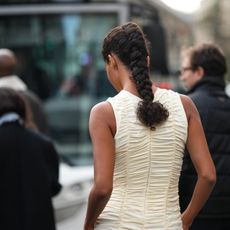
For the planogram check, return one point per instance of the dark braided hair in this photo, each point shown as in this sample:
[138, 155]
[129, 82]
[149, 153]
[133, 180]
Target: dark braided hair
[130, 45]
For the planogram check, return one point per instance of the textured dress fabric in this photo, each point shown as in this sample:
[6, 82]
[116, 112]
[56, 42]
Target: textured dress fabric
[147, 167]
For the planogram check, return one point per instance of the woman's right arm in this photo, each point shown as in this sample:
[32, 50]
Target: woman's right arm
[202, 161]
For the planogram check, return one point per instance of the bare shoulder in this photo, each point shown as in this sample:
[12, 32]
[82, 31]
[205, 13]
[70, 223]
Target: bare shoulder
[102, 115]
[189, 106]
[102, 110]
[186, 101]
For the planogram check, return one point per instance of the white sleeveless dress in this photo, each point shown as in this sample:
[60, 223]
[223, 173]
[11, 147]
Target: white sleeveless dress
[147, 167]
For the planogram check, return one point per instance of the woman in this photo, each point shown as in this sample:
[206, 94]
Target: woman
[138, 141]
[28, 169]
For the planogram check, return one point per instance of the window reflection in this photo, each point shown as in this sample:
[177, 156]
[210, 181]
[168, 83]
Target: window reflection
[60, 60]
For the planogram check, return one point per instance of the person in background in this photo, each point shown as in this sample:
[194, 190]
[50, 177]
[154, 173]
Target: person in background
[8, 63]
[29, 169]
[202, 73]
[138, 140]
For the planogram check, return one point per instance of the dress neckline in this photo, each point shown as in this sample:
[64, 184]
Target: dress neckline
[134, 96]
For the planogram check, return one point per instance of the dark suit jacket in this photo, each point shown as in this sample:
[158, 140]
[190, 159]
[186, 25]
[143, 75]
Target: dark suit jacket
[28, 177]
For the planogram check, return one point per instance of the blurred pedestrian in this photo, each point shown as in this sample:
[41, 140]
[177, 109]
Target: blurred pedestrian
[202, 73]
[138, 139]
[8, 63]
[29, 169]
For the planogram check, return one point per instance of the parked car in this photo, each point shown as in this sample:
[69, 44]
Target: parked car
[76, 182]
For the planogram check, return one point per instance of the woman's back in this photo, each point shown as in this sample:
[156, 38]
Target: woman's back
[147, 166]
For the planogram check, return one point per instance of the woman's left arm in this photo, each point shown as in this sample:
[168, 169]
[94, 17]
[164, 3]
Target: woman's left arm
[101, 127]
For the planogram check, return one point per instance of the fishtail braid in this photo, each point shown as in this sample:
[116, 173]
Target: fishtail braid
[130, 45]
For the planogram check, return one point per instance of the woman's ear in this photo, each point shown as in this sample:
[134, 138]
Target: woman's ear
[112, 61]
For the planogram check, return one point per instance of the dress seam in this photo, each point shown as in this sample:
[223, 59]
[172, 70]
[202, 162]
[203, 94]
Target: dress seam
[174, 149]
[149, 172]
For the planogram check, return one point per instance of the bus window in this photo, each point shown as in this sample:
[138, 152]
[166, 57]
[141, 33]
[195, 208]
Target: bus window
[60, 60]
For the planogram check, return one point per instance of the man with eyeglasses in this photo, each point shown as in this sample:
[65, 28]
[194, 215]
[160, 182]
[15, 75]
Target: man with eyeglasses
[202, 73]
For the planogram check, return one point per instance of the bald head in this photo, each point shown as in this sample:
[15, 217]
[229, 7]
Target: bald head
[7, 62]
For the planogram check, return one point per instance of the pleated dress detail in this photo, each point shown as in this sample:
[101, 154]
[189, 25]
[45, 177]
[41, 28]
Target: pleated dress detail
[147, 167]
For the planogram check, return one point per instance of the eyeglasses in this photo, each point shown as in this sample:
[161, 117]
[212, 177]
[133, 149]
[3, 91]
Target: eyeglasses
[184, 69]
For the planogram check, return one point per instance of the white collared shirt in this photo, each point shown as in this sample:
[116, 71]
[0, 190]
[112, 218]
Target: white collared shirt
[10, 117]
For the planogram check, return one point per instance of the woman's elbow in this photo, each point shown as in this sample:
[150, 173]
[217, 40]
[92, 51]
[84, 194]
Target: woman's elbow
[210, 177]
[103, 191]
